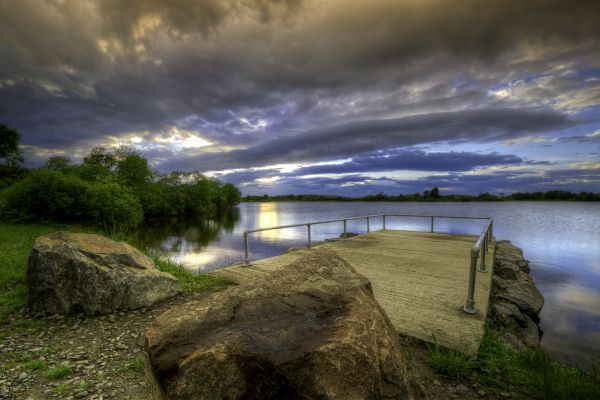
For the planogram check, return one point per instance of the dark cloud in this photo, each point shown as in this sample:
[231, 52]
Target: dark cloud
[414, 159]
[501, 181]
[278, 81]
[363, 136]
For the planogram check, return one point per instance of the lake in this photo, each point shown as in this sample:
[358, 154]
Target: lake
[561, 239]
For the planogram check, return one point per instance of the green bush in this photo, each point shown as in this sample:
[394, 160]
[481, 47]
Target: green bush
[50, 196]
[113, 207]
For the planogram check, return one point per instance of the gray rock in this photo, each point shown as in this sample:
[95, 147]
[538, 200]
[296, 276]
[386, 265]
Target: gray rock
[517, 329]
[310, 330]
[348, 235]
[461, 388]
[73, 273]
[515, 302]
[524, 295]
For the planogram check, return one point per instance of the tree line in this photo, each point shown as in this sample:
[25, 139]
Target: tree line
[434, 195]
[110, 189]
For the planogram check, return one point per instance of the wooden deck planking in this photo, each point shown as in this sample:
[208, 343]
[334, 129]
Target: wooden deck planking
[420, 279]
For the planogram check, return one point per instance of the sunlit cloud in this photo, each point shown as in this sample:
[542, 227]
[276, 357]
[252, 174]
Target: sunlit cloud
[312, 96]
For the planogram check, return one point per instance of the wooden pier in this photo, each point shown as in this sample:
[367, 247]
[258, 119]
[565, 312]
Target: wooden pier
[420, 279]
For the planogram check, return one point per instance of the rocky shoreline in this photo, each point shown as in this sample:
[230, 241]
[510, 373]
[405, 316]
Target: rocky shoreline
[104, 355]
[515, 301]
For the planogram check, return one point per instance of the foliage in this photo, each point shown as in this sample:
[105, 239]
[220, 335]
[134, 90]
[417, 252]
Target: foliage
[16, 241]
[111, 190]
[58, 373]
[35, 365]
[434, 195]
[10, 175]
[452, 364]
[9, 146]
[51, 196]
[189, 281]
[136, 365]
[58, 163]
[15, 245]
[499, 366]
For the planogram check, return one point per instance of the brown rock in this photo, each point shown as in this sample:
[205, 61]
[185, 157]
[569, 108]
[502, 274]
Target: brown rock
[72, 273]
[310, 330]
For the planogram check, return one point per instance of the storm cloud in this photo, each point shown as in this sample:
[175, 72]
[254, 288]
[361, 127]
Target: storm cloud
[216, 85]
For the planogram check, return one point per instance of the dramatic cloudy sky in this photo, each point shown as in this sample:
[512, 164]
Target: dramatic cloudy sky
[314, 96]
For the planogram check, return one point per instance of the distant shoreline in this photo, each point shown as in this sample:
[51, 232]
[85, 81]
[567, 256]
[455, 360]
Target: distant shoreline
[433, 197]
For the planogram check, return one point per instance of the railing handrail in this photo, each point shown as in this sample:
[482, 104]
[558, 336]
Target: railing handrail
[482, 242]
[360, 217]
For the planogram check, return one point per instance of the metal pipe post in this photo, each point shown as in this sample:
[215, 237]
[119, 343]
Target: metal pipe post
[384, 222]
[344, 229]
[308, 226]
[246, 261]
[469, 307]
[432, 224]
[368, 224]
[482, 252]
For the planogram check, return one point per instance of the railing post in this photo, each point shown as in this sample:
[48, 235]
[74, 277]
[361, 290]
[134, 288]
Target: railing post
[482, 251]
[308, 226]
[344, 229]
[368, 224]
[246, 261]
[384, 222]
[432, 224]
[469, 307]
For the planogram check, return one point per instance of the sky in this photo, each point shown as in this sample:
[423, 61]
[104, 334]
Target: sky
[339, 97]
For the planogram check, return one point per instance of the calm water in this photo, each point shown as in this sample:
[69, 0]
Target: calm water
[561, 239]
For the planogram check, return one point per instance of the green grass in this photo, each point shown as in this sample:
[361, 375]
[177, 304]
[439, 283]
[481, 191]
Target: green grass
[62, 389]
[58, 373]
[15, 245]
[35, 365]
[452, 364]
[499, 366]
[136, 365]
[189, 281]
[16, 241]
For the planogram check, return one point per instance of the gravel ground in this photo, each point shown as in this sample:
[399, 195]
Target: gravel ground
[102, 358]
[77, 358]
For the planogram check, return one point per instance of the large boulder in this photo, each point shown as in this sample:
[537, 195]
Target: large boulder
[310, 330]
[516, 302]
[72, 273]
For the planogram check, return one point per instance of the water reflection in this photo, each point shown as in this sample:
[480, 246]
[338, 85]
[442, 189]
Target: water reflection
[268, 217]
[188, 241]
[561, 239]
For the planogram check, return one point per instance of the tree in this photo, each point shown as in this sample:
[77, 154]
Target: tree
[101, 156]
[435, 193]
[132, 169]
[9, 146]
[57, 163]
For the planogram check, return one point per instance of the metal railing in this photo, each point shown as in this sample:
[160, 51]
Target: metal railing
[482, 243]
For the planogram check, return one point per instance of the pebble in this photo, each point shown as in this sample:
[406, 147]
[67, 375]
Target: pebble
[461, 388]
[481, 392]
[436, 382]
[22, 377]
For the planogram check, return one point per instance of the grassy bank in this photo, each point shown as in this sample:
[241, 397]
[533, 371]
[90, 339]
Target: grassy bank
[531, 372]
[16, 241]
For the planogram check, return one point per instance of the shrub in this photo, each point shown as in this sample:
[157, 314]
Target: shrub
[58, 373]
[51, 196]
